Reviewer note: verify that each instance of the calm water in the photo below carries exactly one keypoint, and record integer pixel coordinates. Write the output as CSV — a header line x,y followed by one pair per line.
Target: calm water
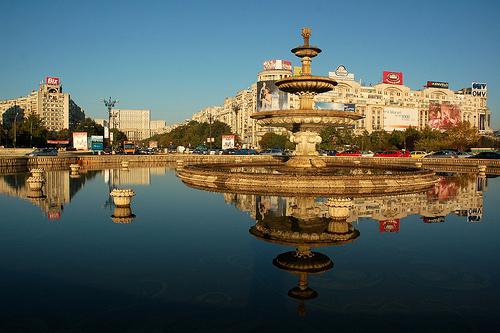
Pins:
x,y
187,261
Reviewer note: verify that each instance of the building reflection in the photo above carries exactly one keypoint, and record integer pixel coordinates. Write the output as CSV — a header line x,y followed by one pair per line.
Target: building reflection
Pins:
x,y
309,223
58,190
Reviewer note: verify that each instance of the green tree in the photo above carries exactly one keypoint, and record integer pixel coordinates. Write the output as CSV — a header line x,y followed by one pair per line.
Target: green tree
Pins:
x,y
90,126
118,137
273,140
463,136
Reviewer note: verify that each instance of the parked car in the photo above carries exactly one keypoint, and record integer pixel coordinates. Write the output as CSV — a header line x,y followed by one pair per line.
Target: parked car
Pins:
x,y
367,153
393,153
273,152
200,150
464,154
246,152
43,152
229,151
442,154
349,153
493,155
418,154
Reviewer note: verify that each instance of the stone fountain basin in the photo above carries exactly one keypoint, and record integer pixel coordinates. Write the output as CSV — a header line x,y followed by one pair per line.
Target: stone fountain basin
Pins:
x,y
303,119
306,84
331,180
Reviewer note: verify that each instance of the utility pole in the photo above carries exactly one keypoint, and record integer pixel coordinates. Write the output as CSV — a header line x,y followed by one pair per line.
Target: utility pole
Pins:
x,y
210,139
110,104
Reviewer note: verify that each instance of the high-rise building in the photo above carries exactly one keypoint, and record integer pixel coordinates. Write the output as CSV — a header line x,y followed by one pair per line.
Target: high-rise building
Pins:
x,y
134,123
49,102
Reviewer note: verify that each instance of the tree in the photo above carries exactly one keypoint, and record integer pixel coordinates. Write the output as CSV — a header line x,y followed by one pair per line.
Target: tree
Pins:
x,y
463,136
273,140
118,137
90,126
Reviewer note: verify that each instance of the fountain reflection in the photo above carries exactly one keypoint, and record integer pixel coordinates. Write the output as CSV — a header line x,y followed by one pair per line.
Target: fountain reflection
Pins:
x,y
311,222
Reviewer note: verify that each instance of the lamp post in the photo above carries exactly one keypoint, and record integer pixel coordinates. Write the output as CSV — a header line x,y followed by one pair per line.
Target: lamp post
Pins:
x,y
210,139
15,124
110,104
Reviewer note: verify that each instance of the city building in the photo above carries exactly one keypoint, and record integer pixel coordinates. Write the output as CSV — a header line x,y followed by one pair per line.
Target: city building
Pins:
x,y
49,102
388,105
134,123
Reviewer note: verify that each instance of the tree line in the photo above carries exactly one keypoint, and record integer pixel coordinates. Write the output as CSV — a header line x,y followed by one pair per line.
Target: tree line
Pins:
x,y
21,130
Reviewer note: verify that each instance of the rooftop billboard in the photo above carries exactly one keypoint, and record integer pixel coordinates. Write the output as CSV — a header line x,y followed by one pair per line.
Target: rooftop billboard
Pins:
x,y
52,80
392,77
277,64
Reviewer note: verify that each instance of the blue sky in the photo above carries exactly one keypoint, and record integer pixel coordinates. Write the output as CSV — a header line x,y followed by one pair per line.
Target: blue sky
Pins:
x,y
176,57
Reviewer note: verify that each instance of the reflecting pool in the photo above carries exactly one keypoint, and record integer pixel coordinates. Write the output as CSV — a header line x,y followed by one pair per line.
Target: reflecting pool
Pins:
x,y
183,259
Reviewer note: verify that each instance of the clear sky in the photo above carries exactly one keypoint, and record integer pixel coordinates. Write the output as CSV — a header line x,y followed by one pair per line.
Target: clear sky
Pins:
x,y
176,57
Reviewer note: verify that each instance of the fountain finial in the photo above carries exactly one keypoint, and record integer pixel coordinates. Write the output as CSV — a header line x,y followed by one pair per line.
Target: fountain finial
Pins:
x,y
306,34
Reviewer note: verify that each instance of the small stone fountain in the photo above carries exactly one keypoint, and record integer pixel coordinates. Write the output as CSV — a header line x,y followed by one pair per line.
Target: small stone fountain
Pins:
x,y
123,197
75,170
36,180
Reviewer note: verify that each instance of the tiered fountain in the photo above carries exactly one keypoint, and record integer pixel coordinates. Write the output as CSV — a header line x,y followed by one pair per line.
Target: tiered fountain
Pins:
x,y
306,173
305,123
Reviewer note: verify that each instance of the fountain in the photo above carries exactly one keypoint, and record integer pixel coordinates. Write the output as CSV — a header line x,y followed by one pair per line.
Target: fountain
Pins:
x,y
305,123
306,172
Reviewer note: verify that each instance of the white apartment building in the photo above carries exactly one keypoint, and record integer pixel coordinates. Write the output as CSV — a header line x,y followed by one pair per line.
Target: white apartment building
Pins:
x,y
388,105
49,102
134,123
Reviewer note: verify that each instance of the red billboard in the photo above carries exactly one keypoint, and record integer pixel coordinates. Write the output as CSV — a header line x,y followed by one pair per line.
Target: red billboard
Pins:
x,y
443,115
392,77
388,225
52,80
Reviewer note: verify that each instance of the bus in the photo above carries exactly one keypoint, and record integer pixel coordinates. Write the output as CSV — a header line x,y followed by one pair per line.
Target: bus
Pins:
x,y
128,147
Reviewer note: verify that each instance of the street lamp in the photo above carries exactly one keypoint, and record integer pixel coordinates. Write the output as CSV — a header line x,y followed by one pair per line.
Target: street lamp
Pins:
x,y
210,139
15,124
110,104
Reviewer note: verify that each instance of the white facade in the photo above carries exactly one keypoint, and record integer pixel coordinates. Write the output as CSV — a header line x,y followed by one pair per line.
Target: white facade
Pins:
x,y
48,102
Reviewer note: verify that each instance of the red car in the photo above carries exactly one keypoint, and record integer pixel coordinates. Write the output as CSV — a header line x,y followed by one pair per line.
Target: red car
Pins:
x,y
349,153
393,153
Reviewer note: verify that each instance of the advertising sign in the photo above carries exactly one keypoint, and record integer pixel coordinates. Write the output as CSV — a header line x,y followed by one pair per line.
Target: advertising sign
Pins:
x,y
389,225
475,214
436,84
153,144
106,132
58,142
399,119
341,73
433,219
332,106
97,142
443,115
269,97
277,64
392,77
479,89
52,80
80,140
228,141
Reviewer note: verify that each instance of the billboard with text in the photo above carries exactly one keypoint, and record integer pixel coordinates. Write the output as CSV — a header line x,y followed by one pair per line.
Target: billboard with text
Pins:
x,y
80,140
399,119
52,80
269,97
443,115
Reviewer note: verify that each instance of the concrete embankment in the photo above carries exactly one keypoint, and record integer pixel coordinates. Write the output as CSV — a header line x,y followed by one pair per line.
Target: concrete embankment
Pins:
x,y
440,164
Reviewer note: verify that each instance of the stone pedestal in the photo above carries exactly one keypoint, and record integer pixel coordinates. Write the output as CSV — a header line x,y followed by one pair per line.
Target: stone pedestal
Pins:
x,y
35,183
122,198
305,155
122,215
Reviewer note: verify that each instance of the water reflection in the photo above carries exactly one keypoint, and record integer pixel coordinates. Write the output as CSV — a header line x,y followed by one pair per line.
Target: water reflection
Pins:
x,y
313,222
